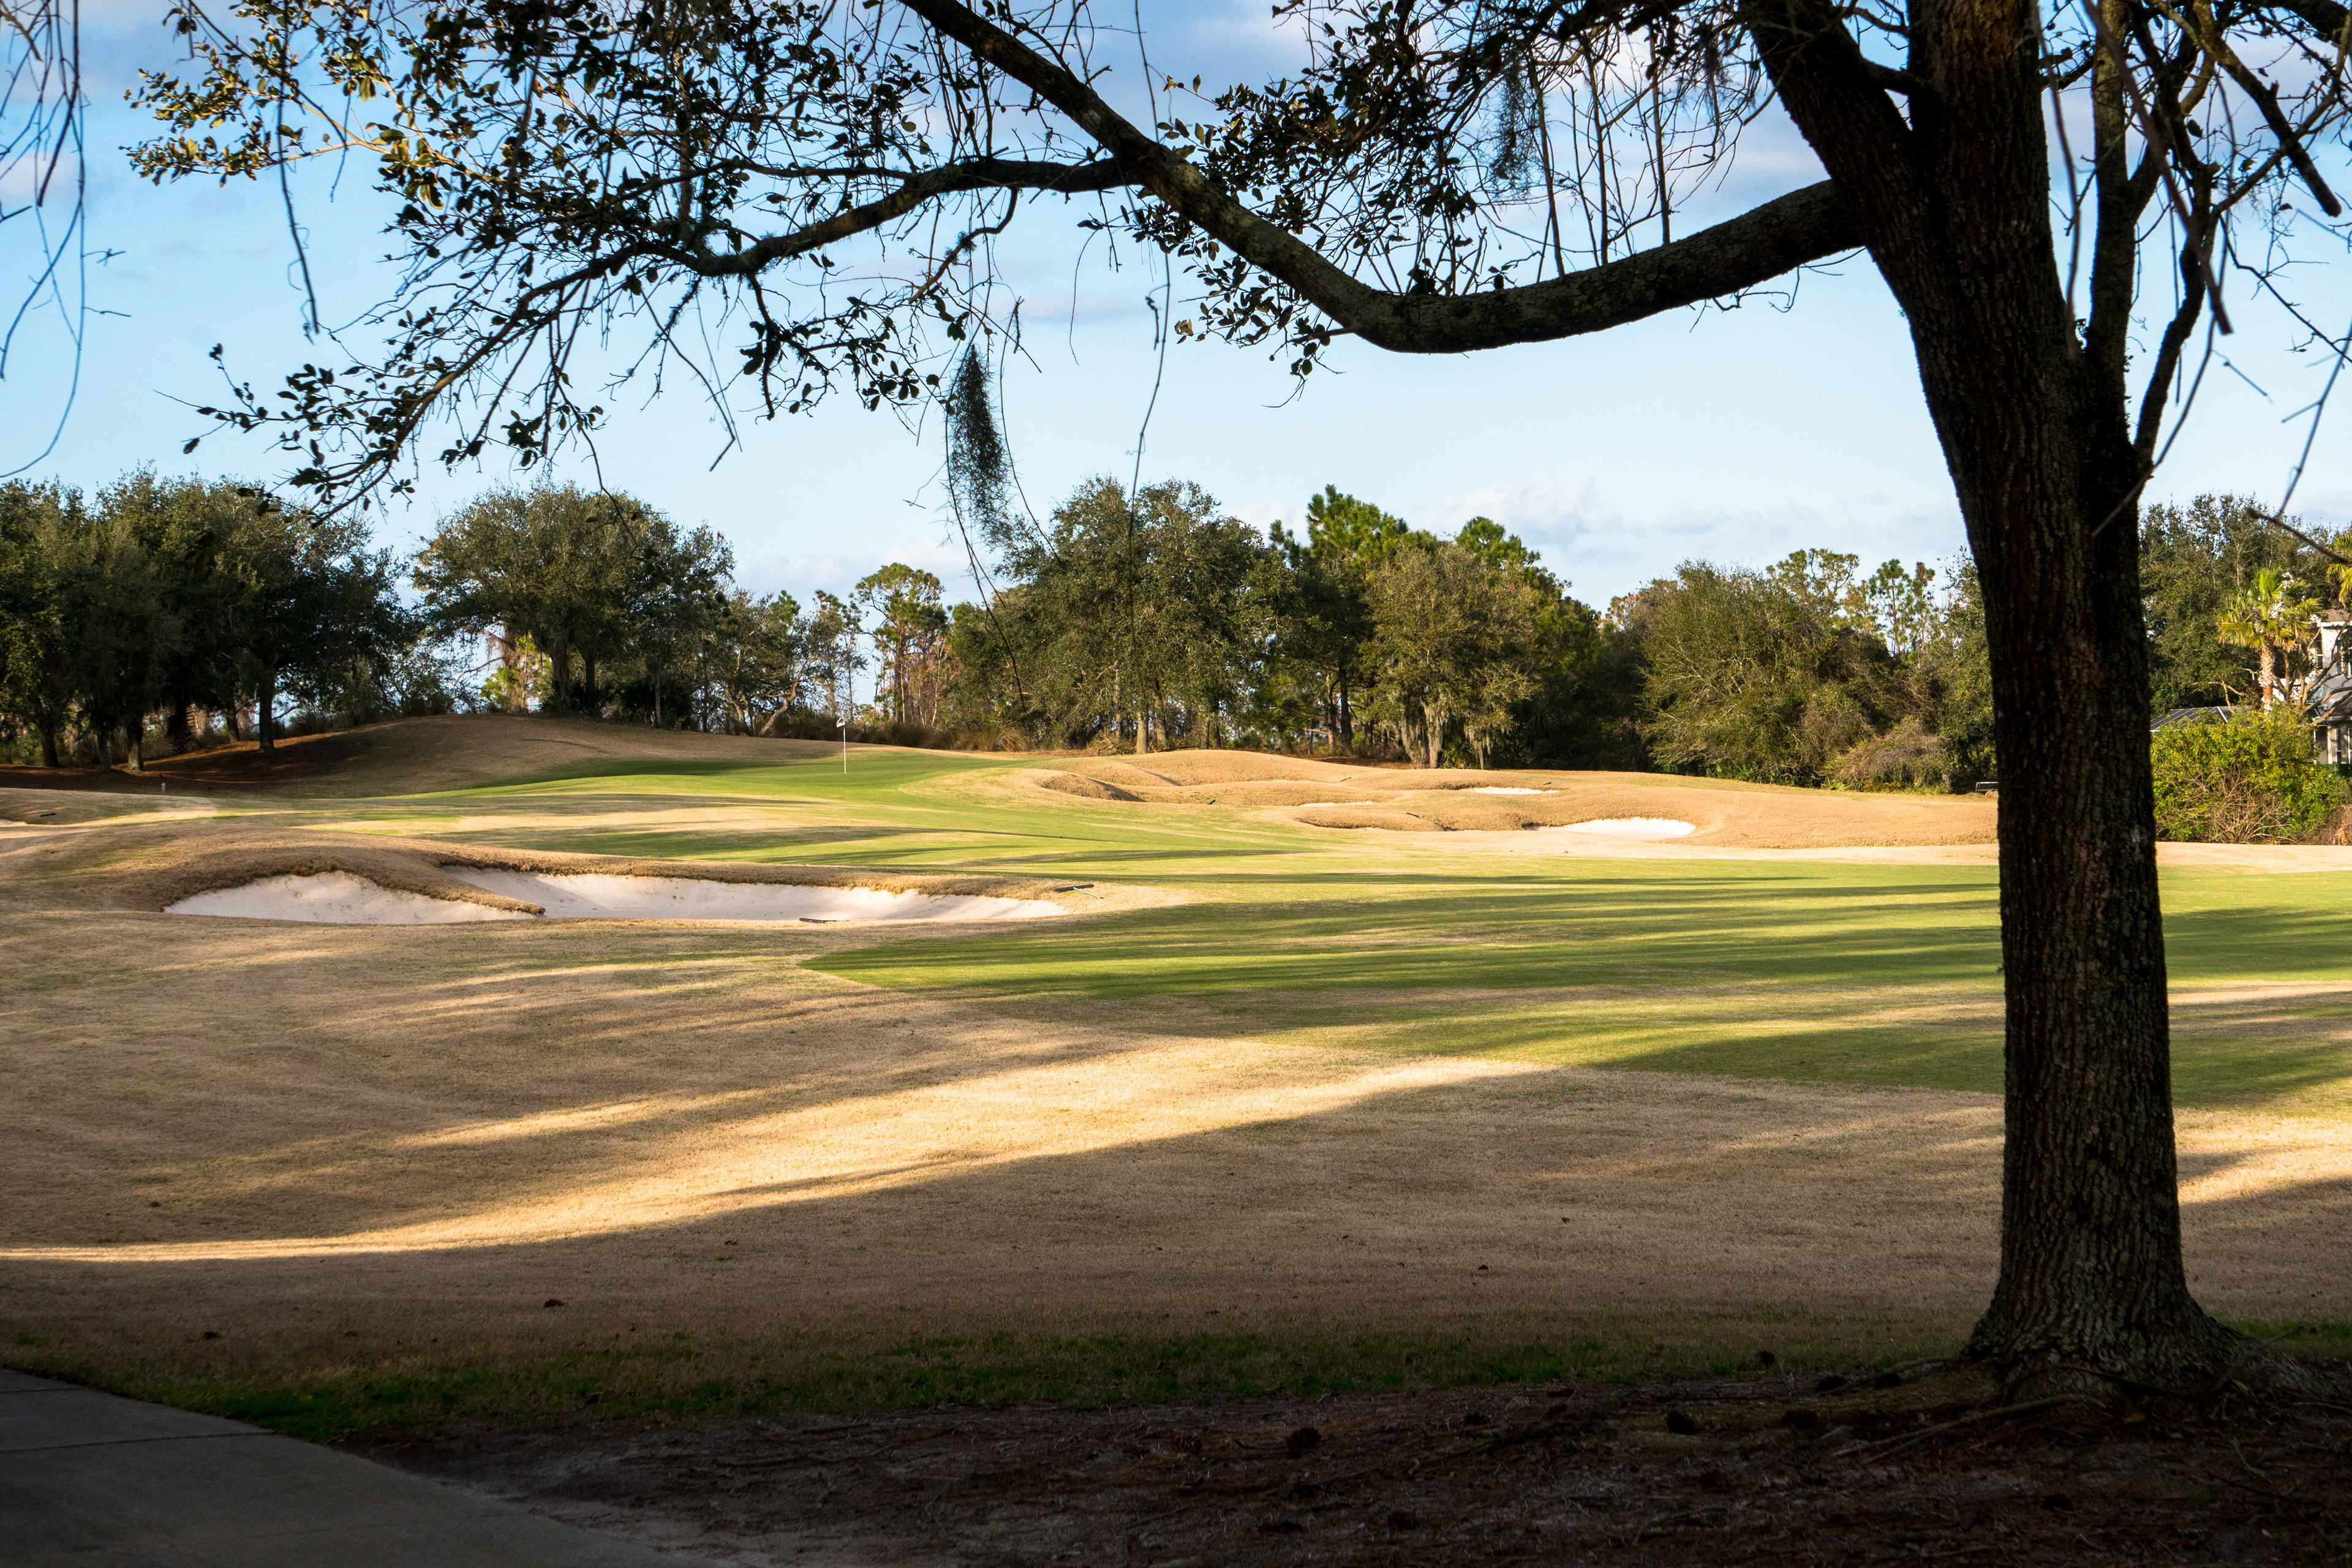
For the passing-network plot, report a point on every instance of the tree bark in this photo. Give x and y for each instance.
(2035, 429)
(134, 737)
(49, 726)
(264, 714)
(2091, 1271)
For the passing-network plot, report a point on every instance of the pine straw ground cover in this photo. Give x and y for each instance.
(1314, 1113)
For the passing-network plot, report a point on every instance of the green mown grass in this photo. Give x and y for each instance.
(683, 1374)
(1804, 971)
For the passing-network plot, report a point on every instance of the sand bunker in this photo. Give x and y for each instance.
(1620, 813)
(1628, 827)
(593, 896)
(335, 897)
(338, 898)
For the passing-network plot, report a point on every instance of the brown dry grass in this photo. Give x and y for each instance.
(1726, 815)
(395, 1143)
(351, 1151)
(1084, 788)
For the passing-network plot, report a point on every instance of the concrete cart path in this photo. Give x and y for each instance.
(86, 1478)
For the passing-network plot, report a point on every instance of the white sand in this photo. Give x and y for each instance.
(335, 897)
(1629, 828)
(1504, 789)
(338, 898)
(594, 896)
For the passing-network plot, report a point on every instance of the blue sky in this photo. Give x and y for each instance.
(1737, 436)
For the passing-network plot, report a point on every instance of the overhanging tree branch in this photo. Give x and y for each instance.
(1809, 225)
(972, 174)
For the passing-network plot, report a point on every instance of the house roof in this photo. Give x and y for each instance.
(2179, 716)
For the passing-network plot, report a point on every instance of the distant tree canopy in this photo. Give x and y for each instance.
(909, 634)
(1127, 614)
(1129, 618)
(2196, 560)
(596, 577)
(1791, 674)
(1453, 645)
(185, 597)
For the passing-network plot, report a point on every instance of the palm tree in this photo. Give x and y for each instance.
(2270, 615)
(2339, 568)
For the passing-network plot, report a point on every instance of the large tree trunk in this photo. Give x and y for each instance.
(49, 726)
(2091, 1267)
(134, 736)
(2033, 421)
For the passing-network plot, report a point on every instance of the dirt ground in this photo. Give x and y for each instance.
(1775, 1470)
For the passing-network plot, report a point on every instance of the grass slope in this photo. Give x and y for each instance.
(1881, 974)
(192, 1083)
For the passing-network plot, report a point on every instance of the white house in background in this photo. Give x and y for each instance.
(2328, 698)
(2324, 694)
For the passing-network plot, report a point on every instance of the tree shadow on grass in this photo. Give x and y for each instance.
(1572, 935)
(2268, 937)
(1342, 1244)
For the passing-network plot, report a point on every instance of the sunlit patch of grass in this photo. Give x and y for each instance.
(1879, 975)
(1813, 972)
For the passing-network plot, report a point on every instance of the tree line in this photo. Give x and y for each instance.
(166, 609)
(191, 600)
(183, 612)
(1134, 620)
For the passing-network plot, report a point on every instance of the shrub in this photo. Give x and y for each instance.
(2248, 779)
(1905, 757)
